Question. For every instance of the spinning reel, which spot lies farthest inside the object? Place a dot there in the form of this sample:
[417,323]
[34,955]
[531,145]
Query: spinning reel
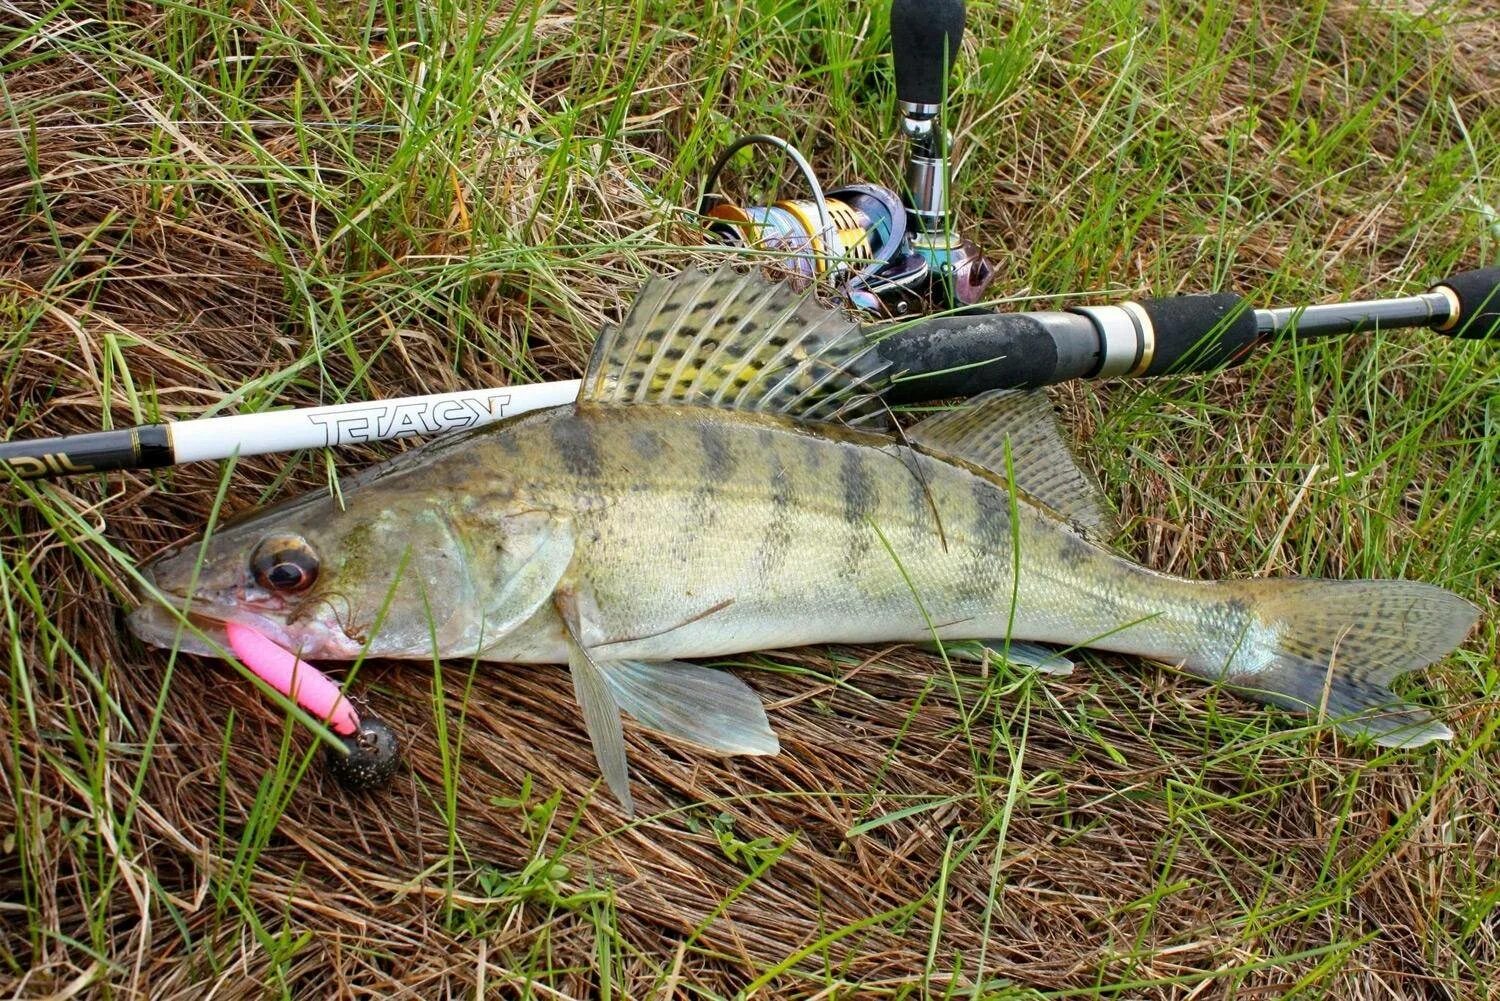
[892,255]
[901,256]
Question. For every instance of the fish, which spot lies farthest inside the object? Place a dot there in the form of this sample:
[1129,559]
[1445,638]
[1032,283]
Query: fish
[729,480]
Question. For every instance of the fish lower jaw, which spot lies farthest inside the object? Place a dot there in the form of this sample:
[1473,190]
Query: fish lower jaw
[159,626]
[203,632]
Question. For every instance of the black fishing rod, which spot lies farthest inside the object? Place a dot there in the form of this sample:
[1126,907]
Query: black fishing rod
[944,357]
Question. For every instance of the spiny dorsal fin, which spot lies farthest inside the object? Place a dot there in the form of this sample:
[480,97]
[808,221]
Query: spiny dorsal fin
[740,342]
[1044,465]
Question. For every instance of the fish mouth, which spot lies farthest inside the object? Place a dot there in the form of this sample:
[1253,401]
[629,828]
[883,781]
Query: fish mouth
[195,625]
[172,622]
[258,642]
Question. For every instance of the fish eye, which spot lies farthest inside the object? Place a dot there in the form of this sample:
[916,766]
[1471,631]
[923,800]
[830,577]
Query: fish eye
[284,563]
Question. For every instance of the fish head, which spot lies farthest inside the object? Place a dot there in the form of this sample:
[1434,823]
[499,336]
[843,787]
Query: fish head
[382,572]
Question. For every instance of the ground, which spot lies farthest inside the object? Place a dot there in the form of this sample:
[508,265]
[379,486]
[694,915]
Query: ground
[231,206]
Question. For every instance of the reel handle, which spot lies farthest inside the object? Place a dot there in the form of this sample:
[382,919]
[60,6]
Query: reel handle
[1477,295]
[925,35]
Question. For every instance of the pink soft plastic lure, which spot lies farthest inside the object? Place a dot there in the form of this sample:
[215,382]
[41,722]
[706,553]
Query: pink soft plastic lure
[295,678]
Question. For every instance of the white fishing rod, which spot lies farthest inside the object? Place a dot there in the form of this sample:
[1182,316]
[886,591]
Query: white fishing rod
[151,446]
[933,358]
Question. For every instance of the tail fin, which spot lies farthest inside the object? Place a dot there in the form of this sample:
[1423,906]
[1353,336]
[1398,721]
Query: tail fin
[1341,643]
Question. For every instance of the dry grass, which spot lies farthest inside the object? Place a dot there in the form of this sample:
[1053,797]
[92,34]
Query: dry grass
[185,211]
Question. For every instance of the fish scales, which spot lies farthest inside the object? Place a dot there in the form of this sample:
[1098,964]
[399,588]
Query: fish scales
[678,544]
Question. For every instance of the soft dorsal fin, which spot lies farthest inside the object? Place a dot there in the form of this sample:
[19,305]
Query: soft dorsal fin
[740,342]
[1044,465]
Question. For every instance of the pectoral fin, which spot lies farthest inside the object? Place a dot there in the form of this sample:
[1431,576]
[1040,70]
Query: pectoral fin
[701,705]
[601,713]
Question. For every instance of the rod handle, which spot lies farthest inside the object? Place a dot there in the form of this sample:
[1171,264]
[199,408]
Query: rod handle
[941,357]
[145,447]
[946,356]
[1183,334]
[1478,296]
[925,35]
[1199,333]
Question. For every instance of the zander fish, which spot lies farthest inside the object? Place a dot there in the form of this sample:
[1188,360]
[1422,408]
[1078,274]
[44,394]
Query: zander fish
[724,484]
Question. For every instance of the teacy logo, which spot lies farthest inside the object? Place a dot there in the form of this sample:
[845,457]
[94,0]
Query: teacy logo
[379,421]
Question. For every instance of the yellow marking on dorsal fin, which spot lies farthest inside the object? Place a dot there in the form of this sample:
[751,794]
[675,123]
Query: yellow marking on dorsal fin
[1044,465]
[740,342]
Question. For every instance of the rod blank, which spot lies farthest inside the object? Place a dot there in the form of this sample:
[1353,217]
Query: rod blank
[155,445]
[1426,310]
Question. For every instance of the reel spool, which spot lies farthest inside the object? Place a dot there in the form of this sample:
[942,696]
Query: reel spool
[855,237]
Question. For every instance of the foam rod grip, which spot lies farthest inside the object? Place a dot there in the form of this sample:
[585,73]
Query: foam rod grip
[1199,333]
[924,43]
[941,357]
[1478,295]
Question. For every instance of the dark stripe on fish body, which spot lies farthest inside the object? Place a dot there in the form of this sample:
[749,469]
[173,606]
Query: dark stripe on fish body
[990,529]
[574,440]
[919,502]
[1074,552]
[701,516]
[812,453]
[716,466]
[648,444]
[718,459]
[858,488]
[776,542]
[857,484]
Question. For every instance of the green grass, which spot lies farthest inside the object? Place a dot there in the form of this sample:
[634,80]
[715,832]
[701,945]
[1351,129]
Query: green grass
[227,207]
